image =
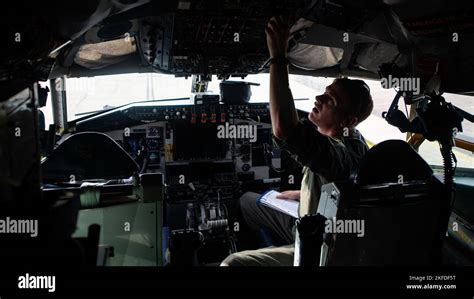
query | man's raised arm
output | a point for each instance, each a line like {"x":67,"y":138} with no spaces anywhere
{"x":282,"y":108}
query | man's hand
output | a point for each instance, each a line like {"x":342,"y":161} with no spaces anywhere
{"x":278,"y":32}
{"x":290,"y":194}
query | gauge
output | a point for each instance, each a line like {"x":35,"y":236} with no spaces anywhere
{"x":152,"y":143}
{"x":154,"y":131}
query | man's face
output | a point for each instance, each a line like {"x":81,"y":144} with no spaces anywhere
{"x":326,"y":113}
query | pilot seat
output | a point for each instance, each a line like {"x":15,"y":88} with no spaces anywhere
{"x":397,"y":201}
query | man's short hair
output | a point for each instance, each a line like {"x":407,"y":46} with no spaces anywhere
{"x":359,"y":101}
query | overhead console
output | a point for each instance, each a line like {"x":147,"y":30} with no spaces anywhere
{"x":226,"y":38}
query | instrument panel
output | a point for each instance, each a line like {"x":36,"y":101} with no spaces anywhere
{"x":177,"y":138}
{"x":148,"y":112}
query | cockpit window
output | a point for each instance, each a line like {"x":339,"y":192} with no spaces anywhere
{"x":86,"y":95}
{"x":90,"y":94}
{"x":303,"y":88}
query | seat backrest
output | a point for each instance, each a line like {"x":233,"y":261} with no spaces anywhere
{"x":384,"y":222}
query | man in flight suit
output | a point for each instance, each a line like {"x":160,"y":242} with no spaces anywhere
{"x":326,"y":144}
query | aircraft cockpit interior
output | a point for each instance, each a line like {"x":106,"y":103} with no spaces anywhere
{"x":131,"y":130}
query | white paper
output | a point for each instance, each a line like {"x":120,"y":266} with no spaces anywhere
{"x":287,"y":206}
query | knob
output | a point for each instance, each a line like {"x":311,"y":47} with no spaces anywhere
{"x":246,"y":167}
{"x":167,"y":117}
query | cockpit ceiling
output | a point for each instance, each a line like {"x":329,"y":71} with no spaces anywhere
{"x":227,"y":38}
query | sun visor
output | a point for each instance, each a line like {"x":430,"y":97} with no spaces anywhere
{"x":313,"y":57}
{"x":101,"y":55}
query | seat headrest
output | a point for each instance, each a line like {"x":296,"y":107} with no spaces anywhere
{"x":385,"y":162}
